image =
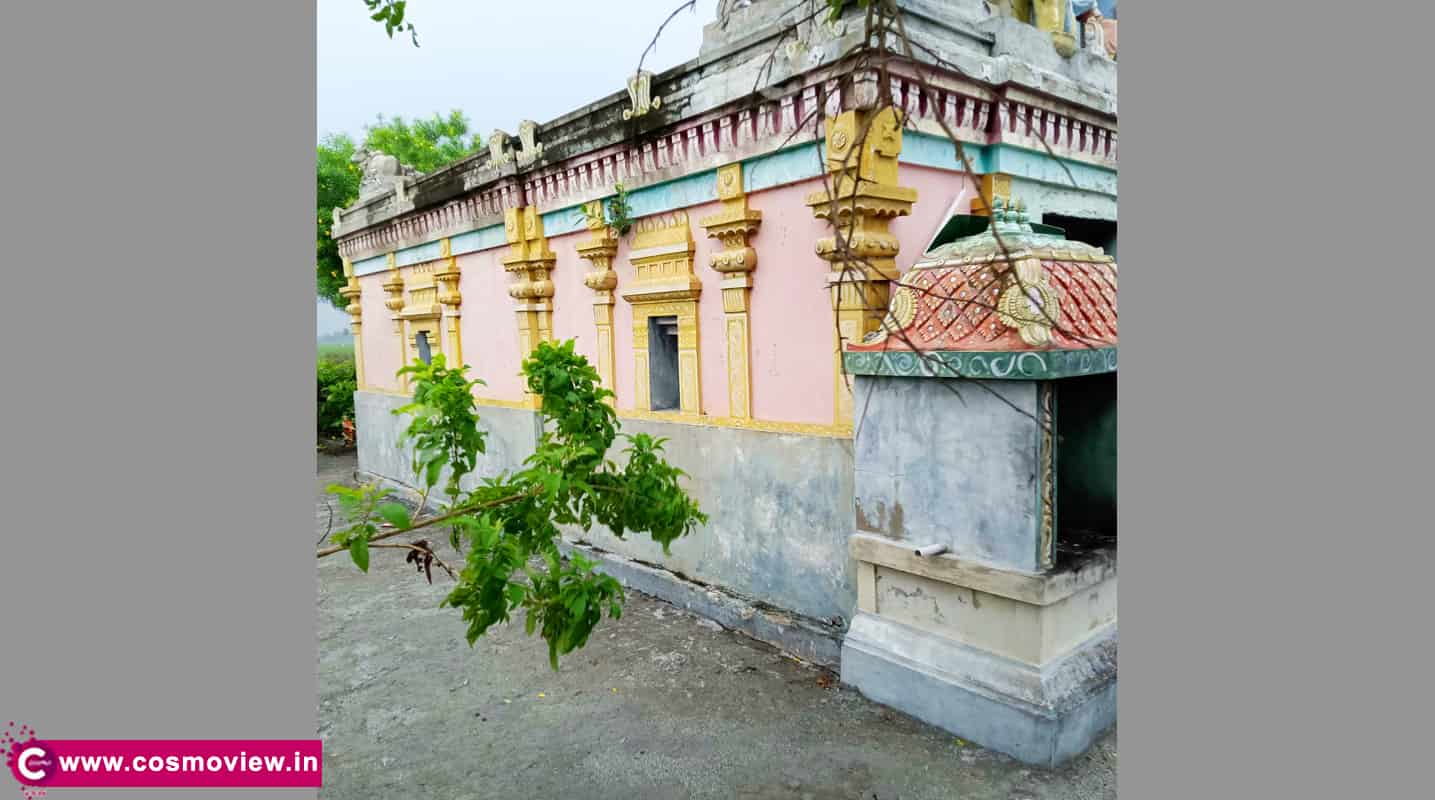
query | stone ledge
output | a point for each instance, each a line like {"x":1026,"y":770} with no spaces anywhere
{"x":1040,"y":716}
{"x":1039,"y":590}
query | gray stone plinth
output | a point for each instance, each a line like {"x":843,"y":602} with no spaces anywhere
{"x":1040,"y":716}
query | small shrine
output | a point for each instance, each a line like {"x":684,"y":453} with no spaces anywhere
{"x":986,"y":508}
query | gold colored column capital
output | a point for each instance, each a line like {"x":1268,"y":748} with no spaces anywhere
{"x":860,"y":198}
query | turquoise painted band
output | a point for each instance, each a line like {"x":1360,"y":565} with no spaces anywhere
{"x":1029,"y":365}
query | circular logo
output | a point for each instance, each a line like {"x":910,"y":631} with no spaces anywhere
{"x":33,"y":763}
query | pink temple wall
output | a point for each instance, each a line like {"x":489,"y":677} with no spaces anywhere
{"x":936,"y":189}
{"x":489,"y":326}
{"x":793,"y":363}
{"x":791,"y":322}
{"x":792,"y":356}
{"x":380,"y":343}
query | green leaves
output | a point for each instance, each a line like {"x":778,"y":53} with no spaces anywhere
{"x":620,"y":213}
{"x":425,"y":144}
{"x":444,"y":430}
{"x":836,"y":7}
{"x":359,"y":551}
{"x":337,"y":185}
{"x":395,"y":514}
{"x":511,"y":522}
{"x":391,"y":14}
{"x":337,"y":384}
{"x":615,"y":212}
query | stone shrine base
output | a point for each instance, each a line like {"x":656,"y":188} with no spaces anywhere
{"x":1022,"y":664}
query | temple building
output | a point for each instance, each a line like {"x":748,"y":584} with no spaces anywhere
{"x":895,"y":400}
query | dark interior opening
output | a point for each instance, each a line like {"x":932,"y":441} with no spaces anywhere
{"x":1085,"y":466}
{"x":664,"y":391}
{"x":421,"y":341}
{"x":1095,"y":232}
{"x":961,"y":226}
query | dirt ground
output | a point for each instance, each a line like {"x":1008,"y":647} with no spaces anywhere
{"x":661,"y":704}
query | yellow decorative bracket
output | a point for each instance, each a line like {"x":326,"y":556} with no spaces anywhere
{"x":732,"y":226}
{"x":861,"y":199}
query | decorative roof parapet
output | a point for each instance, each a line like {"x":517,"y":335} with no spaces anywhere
{"x":709,"y":115}
{"x":640,"y":94}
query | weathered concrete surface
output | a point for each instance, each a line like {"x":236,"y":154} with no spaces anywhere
{"x":407,"y":709}
{"x":932,"y":469}
{"x":782,"y":540}
{"x":786,"y":506}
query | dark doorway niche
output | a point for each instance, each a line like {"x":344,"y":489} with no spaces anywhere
{"x":1095,"y":232}
{"x":664,"y":390}
{"x":1085,"y":465}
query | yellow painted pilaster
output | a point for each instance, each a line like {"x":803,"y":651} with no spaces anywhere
{"x":394,"y":302}
{"x":448,"y":275}
{"x":531,"y":263}
{"x":352,"y":292}
{"x":732,"y":226}
{"x":861,"y":199}
{"x":599,"y":251}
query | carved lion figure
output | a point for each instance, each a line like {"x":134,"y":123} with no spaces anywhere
{"x":379,"y":170}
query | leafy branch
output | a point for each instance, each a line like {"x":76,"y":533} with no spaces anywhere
{"x":511,"y":523}
{"x":391,"y":14}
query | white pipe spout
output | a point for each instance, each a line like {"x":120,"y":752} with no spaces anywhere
{"x":931,"y":550}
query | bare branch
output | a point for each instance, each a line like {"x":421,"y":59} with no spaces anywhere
{"x":690,"y":5}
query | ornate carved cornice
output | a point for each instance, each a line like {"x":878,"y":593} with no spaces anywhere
{"x":579,"y":157}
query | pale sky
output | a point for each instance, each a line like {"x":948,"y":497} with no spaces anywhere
{"x":500,"y":63}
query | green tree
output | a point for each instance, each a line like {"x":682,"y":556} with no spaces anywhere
{"x":338,"y":186}
{"x":425,"y":144}
{"x":511,"y":523}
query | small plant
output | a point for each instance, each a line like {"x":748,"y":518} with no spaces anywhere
{"x":620,"y":213}
{"x":337,"y":384}
{"x":615,"y":212}
{"x":511,"y":523}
